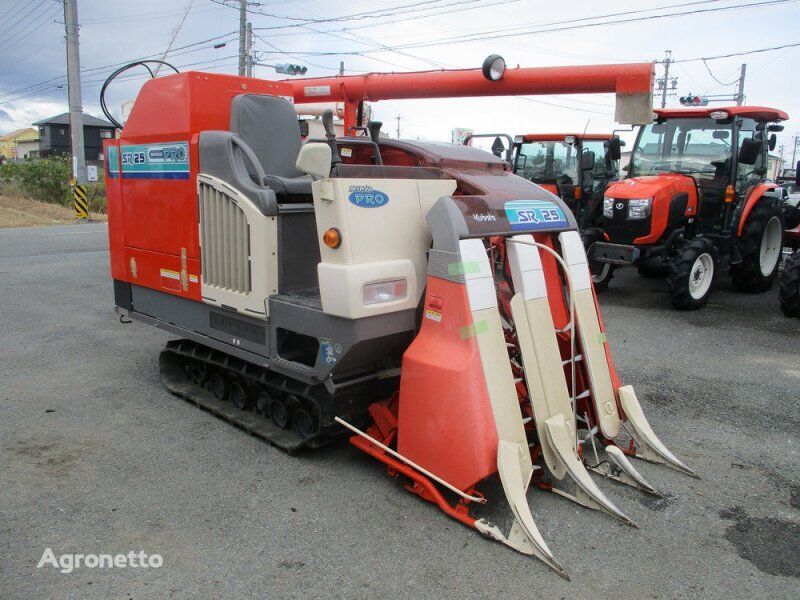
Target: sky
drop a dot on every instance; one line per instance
(408, 35)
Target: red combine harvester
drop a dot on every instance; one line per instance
(417, 295)
(696, 201)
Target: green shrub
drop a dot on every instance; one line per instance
(47, 180)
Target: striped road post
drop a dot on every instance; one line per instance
(80, 201)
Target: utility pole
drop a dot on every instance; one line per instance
(74, 92)
(740, 93)
(249, 50)
(664, 83)
(242, 37)
(397, 118)
(341, 68)
(795, 141)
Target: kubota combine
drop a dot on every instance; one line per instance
(695, 201)
(417, 295)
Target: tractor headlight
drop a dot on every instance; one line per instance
(608, 207)
(385, 291)
(639, 208)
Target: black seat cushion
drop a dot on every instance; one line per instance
(292, 186)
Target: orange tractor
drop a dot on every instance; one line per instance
(696, 202)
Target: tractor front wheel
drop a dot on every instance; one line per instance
(691, 273)
(761, 243)
(790, 286)
(602, 273)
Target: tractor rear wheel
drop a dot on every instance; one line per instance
(602, 273)
(761, 243)
(790, 286)
(691, 273)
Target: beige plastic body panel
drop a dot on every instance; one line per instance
(379, 243)
(591, 337)
(238, 249)
(650, 447)
(544, 373)
(514, 464)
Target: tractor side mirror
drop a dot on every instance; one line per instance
(749, 151)
(773, 140)
(775, 127)
(315, 160)
(498, 147)
(614, 148)
(587, 160)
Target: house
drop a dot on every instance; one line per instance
(19, 144)
(54, 136)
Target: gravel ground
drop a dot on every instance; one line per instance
(96, 457)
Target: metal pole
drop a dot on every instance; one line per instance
(74, 86)
(249, 50)
(667, 60)
(740, 93)
(398, 117)
(341, 68)
(796, 140)
(242, 37)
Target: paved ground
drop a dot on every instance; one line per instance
(96, 457)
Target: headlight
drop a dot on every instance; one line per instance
(385, 291)
(639, 208)
(608, 207)
(493, 67)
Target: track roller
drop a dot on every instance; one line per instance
(218, 386)
(239, 395)
(304, 424)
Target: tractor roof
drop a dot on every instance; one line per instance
(761, 113)
(559, 137)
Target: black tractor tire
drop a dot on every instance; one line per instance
(602, 273)
(790, 286)
(687, 271)
(749, 276)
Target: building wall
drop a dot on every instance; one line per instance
(7, 146)
(55, 139)
(27, 149)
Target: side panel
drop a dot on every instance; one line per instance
(448, 428)
(116, 229)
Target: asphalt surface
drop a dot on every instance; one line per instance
(96, 457)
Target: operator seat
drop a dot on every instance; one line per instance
(268, 125)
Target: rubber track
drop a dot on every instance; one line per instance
(176, 380)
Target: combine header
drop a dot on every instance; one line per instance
(415, 295)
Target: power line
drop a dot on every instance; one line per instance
(745, 53)
(33, 89)
(541, 28)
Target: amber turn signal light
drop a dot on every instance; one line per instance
(730, 194)
(332, 238)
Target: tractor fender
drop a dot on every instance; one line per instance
(756, 193)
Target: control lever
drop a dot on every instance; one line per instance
(374, 128)
(330, 136)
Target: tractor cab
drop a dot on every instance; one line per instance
(698, 173)
(576, 167)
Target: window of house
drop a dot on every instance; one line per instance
(105, 134)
